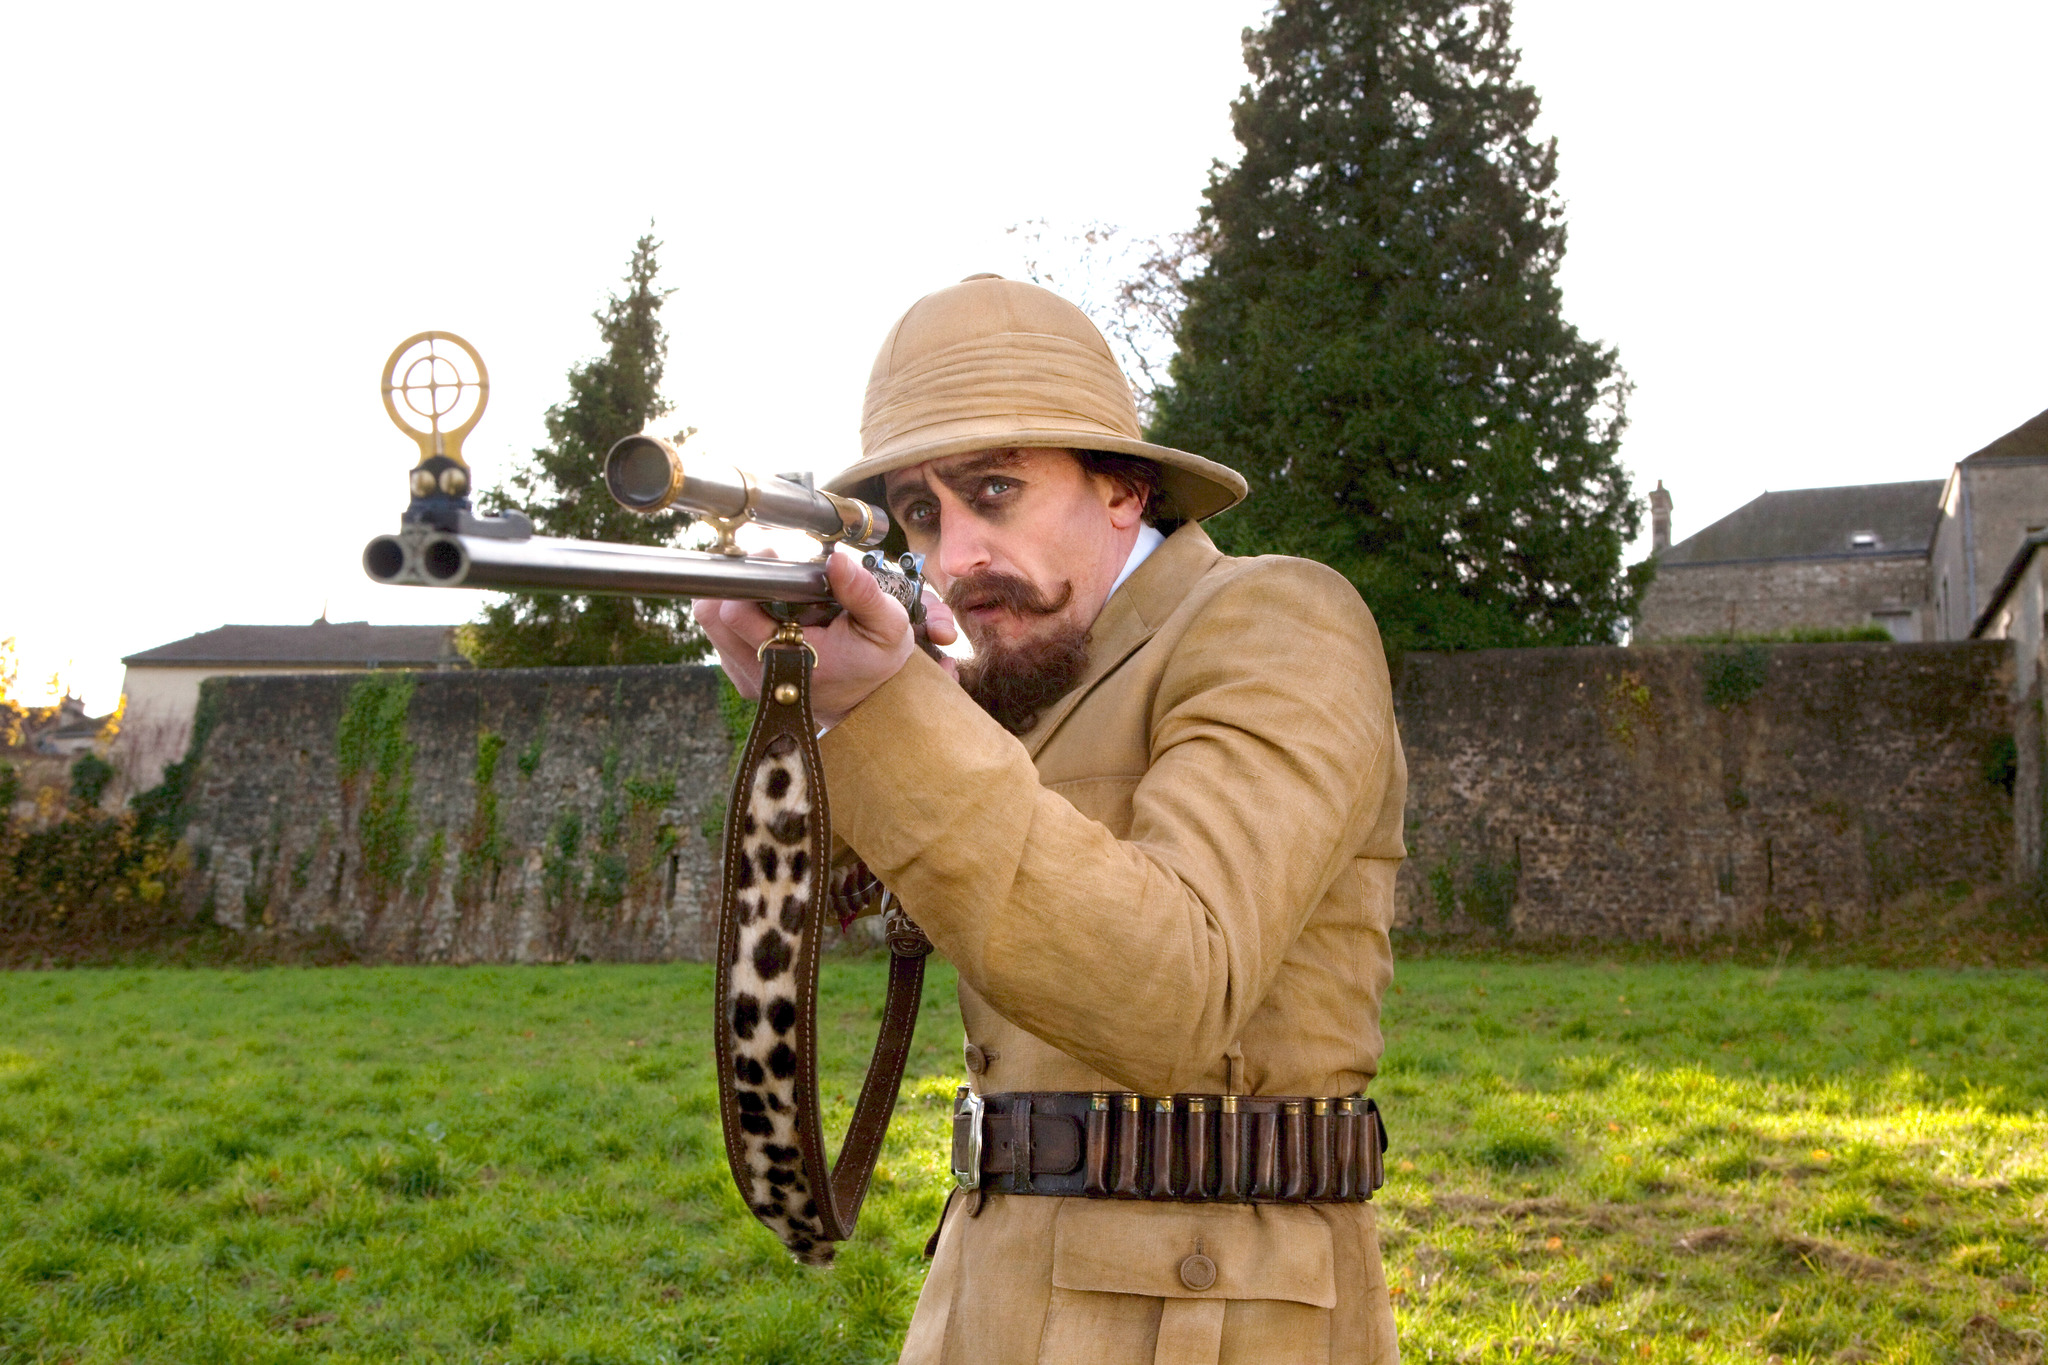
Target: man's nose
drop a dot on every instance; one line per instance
(962, 549)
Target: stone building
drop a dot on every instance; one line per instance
(2018, 612)
(161, 686)
(1813, 558)
(1923, 559)
(62, 731)
(1993, 501)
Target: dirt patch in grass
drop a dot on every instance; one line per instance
(1993, 1342)
(1814, 1255)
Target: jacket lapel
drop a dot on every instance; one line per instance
(1133, 612)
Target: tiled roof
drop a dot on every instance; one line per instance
(2027, 440)
(355, 644)
(1815, 523)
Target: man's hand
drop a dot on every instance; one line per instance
(857, 653)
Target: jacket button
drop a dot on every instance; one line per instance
(1198, 1272)
(977, 1060)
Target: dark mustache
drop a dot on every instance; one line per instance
(991, 588)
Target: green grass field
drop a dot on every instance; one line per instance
(1593, 1163)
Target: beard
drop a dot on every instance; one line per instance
(1015, 681)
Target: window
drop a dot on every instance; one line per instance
(1863, 540)
(1900, 625)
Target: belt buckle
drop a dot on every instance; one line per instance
(970, 1179)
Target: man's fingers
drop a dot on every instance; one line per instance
(734, 625)
(705, 612)
(871, 611)
(939, 626)
(736, 630)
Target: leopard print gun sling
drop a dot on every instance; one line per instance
(772, 923)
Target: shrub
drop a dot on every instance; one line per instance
(1730, 677)
(90, 775)
(2002, 764)
(1796, 635)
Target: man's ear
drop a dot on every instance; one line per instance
(1125, 505)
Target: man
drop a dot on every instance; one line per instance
(1156, 833)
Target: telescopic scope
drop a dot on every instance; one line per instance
(648, 475)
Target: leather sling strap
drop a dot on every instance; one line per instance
(778, 846)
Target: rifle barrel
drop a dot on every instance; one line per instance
(540, 563)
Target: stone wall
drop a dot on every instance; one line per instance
(514, 815)
(536, 815)
(1758, 597)
(1685, 792)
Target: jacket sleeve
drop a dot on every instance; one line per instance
(1272, 737)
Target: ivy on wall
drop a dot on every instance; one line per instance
(374, 760)
(482, 856)
(1730, 677)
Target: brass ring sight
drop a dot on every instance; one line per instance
(434, 389)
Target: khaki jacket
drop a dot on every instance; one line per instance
(1180, 880)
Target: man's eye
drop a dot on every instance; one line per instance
(995, 488)
(918, 513)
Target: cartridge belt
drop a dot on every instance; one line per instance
(1243, 1149)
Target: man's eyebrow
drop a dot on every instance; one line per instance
(909, 488)
(962, 477)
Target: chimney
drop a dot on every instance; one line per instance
(1660, 519)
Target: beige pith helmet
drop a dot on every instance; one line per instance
(990, 363)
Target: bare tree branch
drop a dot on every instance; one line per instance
(1133, 287)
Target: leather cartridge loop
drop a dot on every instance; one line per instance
(771, 930)
(1189, 1149)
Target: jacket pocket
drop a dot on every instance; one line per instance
(1189, 1285)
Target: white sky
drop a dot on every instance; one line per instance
(1815, 230)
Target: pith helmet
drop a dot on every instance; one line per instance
(991, 363)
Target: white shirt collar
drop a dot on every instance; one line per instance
(1149, 539)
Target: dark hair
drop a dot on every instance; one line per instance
(1136, 476)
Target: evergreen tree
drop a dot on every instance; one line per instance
(562, 489)
(1377, 343)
